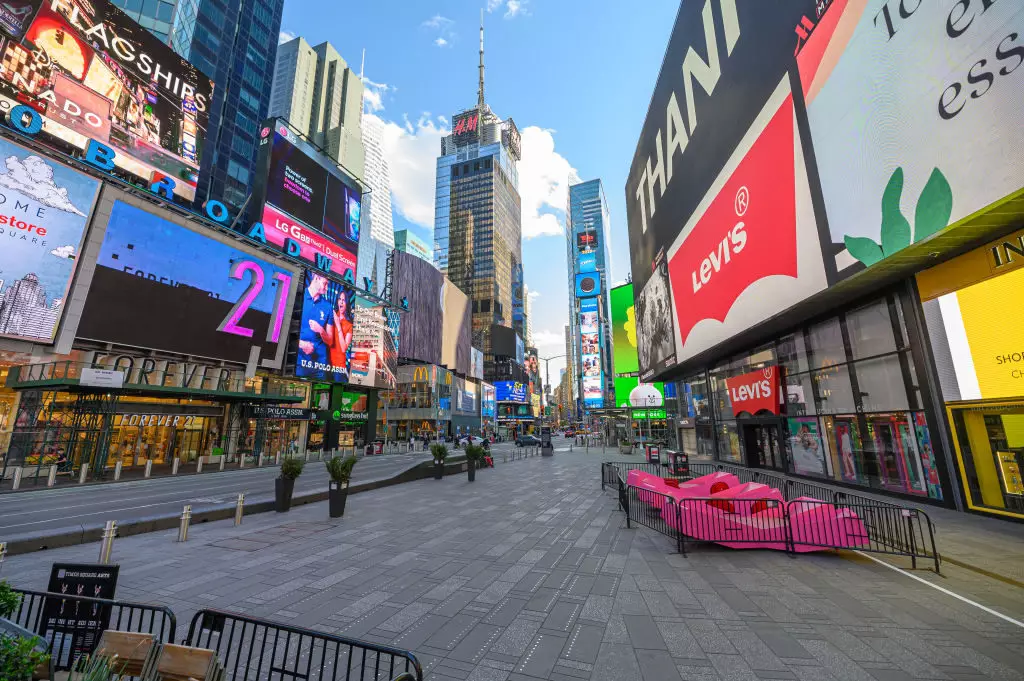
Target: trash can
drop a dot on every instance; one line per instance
(678, 464)
(653, 453)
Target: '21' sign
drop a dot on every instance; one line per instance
(257, 278)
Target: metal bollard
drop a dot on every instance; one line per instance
(3, 553)
(117, 470)
(186, 518)
(223, 461)
(241, 460)
(107, 546)
(174, 466)
(305, 456)
(259, 461)
(17, 478)
(199, 464)
(82, 473)
(277, 459)
(149, 467)
(240, 508)
(51, 480)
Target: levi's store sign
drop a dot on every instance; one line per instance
(755, 392)
(751, 249)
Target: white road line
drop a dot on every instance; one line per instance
(945, 591)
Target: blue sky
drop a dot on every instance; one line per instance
(576, 75)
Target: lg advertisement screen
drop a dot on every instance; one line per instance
(91, 72)
(46, 207)
(160, 285)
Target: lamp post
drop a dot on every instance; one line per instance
(547, 378)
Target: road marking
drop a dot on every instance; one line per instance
(945, 591)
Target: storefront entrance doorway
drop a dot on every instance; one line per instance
(763, 445)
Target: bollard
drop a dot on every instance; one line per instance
(186, 518)
(17, 478)
(82, 473)
(223, 460)
(174, 466)
(259, 461)
(277, 459)
(199, 464)
(241, 460)
(3, 553)
(149, 467)
(117, 470)
(51, 480)
(107, 546)
(305, 456)
(240, 508)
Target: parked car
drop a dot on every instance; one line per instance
(527, 441)
(470, 440)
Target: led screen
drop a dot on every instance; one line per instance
(325, 330)
(160, 285)
(44, 209)
(93, 73)
(510, 391)
(624, 354)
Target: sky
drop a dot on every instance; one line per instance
(576, 75)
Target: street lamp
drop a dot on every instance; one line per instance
(547, 376)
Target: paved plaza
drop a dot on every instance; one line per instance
(530, 573)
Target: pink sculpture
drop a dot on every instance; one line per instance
(698, 487)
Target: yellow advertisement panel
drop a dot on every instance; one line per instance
(995, 333)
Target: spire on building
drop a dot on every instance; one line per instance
(480, 93)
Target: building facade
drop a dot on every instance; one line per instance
(833, 305)
(377, 231)
(477, 220)
(321, 97)
(406, 241)
(587, 229)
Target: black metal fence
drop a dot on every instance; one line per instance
(72, 625)
(253, 649)
(833, 519)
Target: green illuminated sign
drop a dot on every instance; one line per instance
(624, 354)
(649, 414)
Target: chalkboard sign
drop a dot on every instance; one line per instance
(77, 624)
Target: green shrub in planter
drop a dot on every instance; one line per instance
(439, 452)
(9, 599)
(19, 659)
(291, 468)
(340, 469)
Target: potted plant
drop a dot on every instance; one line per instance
(340, 471)
(474, 455)
(9, 599)
(284, 485)
(19, 658)
(440, 452)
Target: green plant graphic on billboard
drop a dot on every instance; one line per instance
(624, 354)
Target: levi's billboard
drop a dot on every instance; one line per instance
(755, 392)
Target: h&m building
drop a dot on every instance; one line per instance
(824, 255)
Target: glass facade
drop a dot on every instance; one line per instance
(853, 410)
(156, 16)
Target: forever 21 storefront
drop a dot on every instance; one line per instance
(801, 245)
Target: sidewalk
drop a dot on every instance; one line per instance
(530, 574)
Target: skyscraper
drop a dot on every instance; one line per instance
(407, 242)
(477, 225)
(321, 97)
(228, 41)
(587, 228)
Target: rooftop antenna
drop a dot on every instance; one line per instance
(480, 94)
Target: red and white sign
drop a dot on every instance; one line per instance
(278, 227)
(755, 392)
(466, 124)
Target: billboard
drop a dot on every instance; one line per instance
(517, 293)
(587, 262)
(466, 127)
(374, 358)
(591, 369)
(898, 155)
(511, 138)
(91, 72)
(624, 352)
(588, 285)
(302, 197)
(325, 330)
(422, 285)
(457, 330)
(488, 401)
(477, 370)
(160, 285)
(624, 385)
(586, 240)
(511, 391)
(46, 208)
(504, 341)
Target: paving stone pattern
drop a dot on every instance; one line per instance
(530, 573)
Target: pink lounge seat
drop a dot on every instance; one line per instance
(703, 486)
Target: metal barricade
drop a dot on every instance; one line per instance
(257, 649)
(71, 625)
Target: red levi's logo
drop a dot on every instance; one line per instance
(755, 392)
(747, 233)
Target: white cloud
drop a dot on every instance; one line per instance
(373, 94)
(285, 36)
(513, 8)
(438, 21)
(33, 177)
(440, 42)
(412, 151)
(533, 294)
(544, 178)
(66, 252)
(550, 340)
(442, 27)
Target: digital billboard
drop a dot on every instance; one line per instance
(624, 385)
(624, 351)
(325, 330)
(477, 370)
(517, 293)
(373, 361)
(488, 401)
(511, 138)
(422, 285)
(160, 285)
(457, 330)
(303, 198)
(591, 368)
(588, 285)
(923, 166)
(586, 240)
(587, 262)
(91, 72)
(511, 391)
(45, 209)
